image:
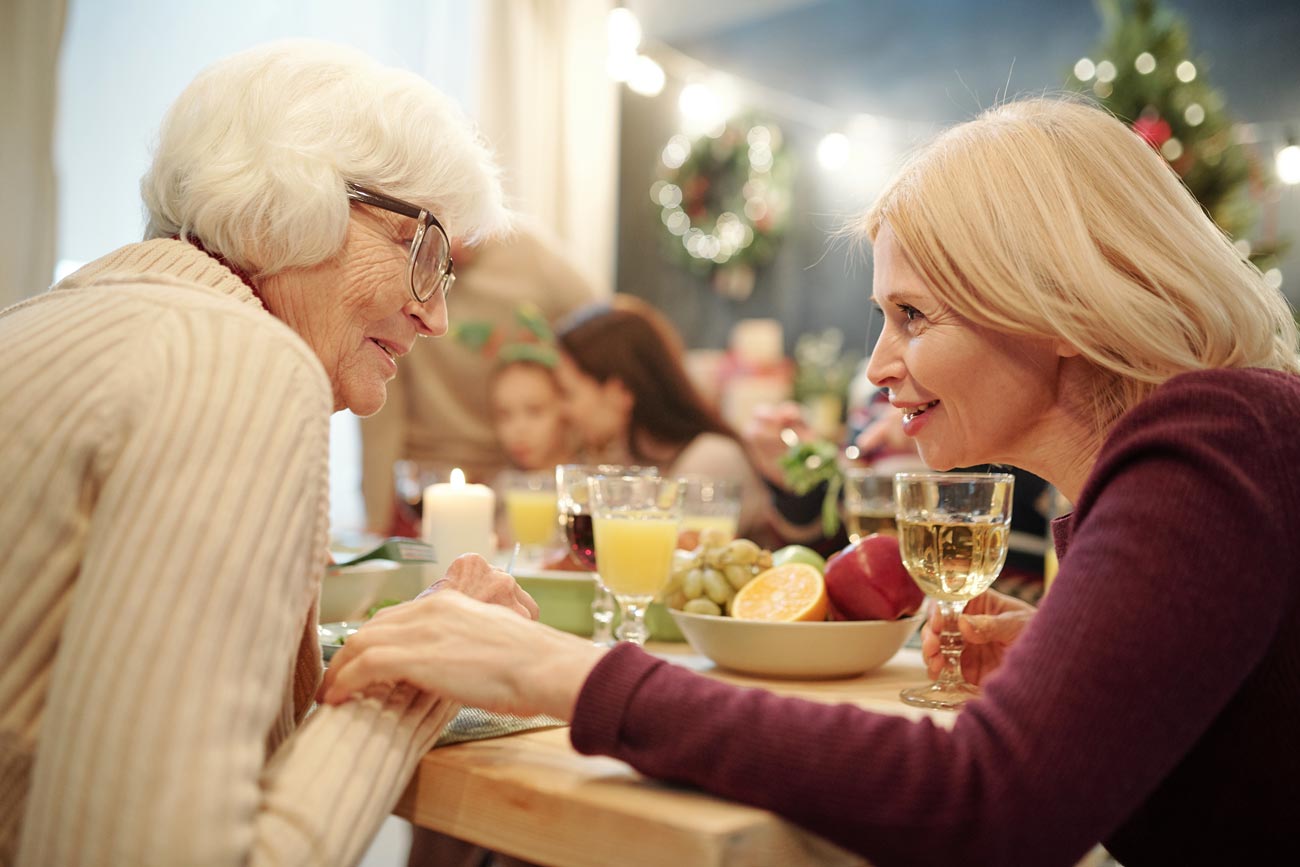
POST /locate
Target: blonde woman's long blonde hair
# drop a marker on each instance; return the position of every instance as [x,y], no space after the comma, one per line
[1049,217]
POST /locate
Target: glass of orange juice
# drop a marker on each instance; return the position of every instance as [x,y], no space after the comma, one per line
[635,519]
[531,509]
[710,504]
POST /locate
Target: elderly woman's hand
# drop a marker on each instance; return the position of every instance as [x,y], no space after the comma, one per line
[472,575]
[459,648]
[989,625]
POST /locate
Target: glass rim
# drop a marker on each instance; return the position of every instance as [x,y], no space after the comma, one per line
[872,471]
[599,469]
[634,477]
[701,479]
[954,477]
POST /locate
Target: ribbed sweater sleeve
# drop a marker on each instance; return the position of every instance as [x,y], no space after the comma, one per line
[1157,680]
[163,551]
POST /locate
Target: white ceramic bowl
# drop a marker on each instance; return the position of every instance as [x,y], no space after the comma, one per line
[347,592]
[796,650]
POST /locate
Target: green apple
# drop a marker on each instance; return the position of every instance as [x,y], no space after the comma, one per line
[799,554]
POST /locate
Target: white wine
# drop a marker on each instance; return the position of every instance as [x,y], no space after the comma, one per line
[954,561]
[864,522]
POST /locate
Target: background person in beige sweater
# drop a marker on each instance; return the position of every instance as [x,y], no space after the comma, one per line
[164,421]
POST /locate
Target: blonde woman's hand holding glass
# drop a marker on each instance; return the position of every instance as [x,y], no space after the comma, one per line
[989,626]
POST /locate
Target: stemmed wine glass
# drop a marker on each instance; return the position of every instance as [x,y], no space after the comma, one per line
[710,504]
[573,500]
[635,519]
[952,533]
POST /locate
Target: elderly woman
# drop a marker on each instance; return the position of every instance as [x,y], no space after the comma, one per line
[164,439]
[1054,300]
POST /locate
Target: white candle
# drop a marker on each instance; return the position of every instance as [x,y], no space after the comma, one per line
[458,519]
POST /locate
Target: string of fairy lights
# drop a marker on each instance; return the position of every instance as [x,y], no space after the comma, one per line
[859,150]
[1286,161]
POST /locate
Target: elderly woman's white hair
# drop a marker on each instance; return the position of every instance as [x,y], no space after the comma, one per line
[1050,218]
[253,157]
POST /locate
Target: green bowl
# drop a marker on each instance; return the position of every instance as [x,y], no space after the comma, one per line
[564,599]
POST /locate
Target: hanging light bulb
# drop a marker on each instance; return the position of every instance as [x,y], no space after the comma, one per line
[622,36]
[1288,161]
[704,109]
[833,151]
[646,77]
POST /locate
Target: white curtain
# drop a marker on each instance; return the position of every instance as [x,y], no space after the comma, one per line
[30,31]
[549,109]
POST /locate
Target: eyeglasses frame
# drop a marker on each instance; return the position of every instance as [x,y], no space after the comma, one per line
[447,276]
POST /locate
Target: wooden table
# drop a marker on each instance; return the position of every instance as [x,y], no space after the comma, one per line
[533,796]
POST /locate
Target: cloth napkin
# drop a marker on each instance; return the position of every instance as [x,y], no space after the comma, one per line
[476,724]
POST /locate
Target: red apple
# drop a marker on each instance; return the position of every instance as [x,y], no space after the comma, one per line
[867,581]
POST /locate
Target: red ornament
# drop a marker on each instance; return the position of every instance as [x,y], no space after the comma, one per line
[1154,129]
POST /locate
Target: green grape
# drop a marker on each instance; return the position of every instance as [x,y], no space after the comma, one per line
[738,574]
[743,551]
[693,584]
[703,606]
[717,588]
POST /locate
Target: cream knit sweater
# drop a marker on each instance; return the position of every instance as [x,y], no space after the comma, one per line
[163,529]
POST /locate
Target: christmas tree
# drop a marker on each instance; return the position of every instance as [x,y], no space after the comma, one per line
[1146,76]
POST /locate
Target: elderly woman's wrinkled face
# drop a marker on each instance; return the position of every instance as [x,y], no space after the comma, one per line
[970,395]
[356,310]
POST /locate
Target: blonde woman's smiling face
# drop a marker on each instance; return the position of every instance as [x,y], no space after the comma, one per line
[970,395]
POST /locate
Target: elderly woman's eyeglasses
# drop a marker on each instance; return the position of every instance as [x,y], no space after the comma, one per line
[430,268]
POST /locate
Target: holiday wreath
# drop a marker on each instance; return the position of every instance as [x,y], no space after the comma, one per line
[724,201]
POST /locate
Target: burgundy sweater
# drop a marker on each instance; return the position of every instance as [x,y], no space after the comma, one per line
[1154,702]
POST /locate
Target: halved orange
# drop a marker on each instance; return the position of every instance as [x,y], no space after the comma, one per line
[794,591]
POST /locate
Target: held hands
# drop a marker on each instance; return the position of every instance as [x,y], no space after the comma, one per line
[989,625]
[472,575]
[482,655]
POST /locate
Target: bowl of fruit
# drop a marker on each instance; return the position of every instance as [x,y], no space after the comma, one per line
[793,615]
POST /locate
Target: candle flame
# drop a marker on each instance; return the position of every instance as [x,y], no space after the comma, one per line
[458,477]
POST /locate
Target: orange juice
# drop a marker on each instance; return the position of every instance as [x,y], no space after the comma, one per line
[532,515]
[634,552]
[700,523]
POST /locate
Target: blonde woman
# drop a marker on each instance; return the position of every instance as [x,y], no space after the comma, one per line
[1055,300]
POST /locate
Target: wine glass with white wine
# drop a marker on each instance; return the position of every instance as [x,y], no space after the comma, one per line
[952,533]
